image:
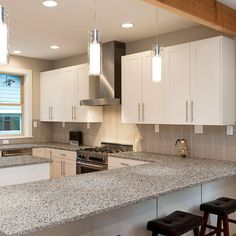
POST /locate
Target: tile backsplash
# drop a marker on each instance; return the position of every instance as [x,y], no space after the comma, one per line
[213,143]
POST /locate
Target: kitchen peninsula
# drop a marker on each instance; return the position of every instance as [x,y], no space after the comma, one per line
[22,169]
[114,202]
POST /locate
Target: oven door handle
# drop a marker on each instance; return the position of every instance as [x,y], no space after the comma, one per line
[99,167]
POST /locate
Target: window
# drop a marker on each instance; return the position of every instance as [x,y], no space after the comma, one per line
[11,104]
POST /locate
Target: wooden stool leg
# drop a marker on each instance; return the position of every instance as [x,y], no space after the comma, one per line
[226,225]
[218,231]
[204,226]
[196,232]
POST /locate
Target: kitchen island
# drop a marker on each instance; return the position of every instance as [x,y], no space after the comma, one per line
[22,169]
[114,202]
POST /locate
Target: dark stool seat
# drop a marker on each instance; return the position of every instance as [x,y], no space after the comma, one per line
[221,206]
[177,223]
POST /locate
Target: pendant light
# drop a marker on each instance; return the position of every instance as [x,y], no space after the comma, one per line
[156,57]
[95,49]
[3,37]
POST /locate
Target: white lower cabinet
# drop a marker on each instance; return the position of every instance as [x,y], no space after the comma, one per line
[60,93]
[63,163]
[115,162]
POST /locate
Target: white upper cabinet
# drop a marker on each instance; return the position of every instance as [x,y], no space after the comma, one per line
[200,82]
[142,98]
[212,81]
[177,76]
[131,88]
[61,91]
[197,86]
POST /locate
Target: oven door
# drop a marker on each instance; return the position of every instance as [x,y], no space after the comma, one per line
[87,167]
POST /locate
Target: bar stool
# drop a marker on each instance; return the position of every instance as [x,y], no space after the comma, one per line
[222,207]
[175,224]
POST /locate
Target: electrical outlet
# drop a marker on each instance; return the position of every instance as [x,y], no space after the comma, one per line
[35,124]
[5,141]
[157,128]
[88,125]
[198,129]
[63,124]
[230,130]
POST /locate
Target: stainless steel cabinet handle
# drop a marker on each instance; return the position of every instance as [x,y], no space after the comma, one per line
[49,113]
[143,111]
[75,113]
[72,113]
[124,164]
[139,111]
[61,168]
[192,111]
[186,110]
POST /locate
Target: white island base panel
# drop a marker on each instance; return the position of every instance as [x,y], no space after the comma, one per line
[24,174]
[132,220]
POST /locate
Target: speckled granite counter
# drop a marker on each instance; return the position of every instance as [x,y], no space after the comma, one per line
[63,146]
[40,205]
[7,162]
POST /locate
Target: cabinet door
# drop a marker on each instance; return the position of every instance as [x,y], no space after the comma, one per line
[177,78]
[86,113]
[69,168]
[131,88]
[69,85]
[58,96]
[153,94]
[206,82]
[46,84]
[56,168]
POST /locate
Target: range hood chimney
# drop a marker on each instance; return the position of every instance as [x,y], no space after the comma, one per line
[109,85]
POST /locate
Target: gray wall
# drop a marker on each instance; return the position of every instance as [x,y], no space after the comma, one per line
[43,131]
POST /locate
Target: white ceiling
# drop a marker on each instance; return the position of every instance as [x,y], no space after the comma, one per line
[230,3]
[34,28]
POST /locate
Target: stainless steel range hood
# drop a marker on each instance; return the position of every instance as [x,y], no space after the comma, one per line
[109,83]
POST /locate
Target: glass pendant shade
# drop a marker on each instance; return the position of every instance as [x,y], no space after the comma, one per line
[95,54]
[3,38]
[156,64]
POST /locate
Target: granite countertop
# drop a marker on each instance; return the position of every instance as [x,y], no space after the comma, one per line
[40,205]
[63,146]
[7,162]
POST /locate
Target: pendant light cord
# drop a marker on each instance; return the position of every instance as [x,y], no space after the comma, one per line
[95,14]
[156,31]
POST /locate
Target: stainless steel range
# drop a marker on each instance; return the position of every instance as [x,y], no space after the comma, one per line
[96,158]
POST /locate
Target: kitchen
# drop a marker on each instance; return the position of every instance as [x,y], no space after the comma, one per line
[63,130]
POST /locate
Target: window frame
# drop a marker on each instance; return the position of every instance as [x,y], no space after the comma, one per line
[21,104]
[26,101]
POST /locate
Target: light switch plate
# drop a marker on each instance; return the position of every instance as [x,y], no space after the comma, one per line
[35,124]
[157,128]
[5,141]
[198,129]
[230,130]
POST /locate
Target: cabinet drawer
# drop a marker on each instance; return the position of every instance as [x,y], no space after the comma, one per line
[114,162]
[41,152]
[63,154]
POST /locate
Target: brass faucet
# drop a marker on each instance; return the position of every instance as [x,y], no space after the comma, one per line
[183,149]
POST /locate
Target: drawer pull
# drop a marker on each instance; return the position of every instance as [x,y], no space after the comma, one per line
[124,164]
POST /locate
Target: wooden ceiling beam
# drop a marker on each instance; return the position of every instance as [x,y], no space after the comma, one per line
[207,12]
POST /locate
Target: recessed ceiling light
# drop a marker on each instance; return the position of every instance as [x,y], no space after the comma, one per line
[127,25]
[17,52]
[49,3]
[54,47]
